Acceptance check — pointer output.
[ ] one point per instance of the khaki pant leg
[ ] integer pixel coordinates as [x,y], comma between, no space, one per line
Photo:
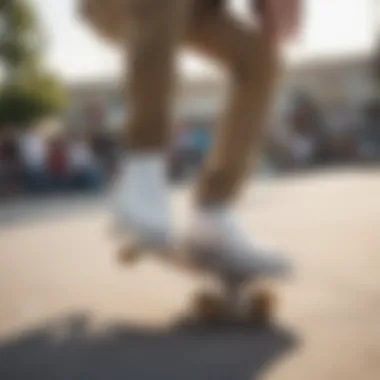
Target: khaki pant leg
[252,62]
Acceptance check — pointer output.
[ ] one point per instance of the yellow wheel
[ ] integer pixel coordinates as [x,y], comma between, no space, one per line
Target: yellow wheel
[209,307]
[193,267]
[128,255]
[262,306]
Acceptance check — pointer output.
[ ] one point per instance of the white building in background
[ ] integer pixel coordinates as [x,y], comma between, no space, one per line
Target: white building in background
[102,103]
[376,7]
[339,82]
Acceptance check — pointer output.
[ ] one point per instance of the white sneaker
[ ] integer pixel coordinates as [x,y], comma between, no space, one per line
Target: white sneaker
[140,200]
[218,242]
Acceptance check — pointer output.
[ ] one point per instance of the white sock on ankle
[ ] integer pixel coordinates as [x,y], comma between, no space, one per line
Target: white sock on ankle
[141,194]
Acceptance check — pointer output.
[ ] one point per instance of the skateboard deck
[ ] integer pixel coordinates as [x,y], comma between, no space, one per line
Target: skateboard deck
[225,297]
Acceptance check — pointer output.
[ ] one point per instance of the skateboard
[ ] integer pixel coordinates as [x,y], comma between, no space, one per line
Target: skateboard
[224,297]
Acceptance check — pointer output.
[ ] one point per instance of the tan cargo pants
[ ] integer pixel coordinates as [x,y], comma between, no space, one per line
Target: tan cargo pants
[152,31]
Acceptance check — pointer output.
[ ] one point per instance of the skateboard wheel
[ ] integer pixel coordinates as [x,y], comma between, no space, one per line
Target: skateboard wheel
[261,306]
[128,255]
[209,307]
[192,267]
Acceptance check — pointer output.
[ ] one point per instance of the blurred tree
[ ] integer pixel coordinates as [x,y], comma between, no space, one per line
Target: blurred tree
[28,91]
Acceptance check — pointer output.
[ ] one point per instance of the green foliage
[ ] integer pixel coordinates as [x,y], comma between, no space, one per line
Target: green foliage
[28,102]
[20,38]
[28,93]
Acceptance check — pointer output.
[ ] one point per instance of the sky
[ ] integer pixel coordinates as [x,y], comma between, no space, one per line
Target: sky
[330,28]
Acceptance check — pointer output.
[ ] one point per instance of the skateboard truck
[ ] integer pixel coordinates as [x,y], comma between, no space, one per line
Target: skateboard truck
[239,300]
[234,298]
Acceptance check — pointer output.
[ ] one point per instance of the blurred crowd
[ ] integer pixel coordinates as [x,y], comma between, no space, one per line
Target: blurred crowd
[31,163]
[304,137]
[310,136]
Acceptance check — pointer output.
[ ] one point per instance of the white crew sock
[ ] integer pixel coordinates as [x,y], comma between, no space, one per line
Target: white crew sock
[141,201]
[216,232]
[216,226]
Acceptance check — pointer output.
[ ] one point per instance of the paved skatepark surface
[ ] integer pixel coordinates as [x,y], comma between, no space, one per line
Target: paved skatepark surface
[68,311]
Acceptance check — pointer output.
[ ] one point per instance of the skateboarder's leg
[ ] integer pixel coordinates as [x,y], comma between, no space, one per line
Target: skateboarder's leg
[253,66]
[141,195]
[154,33]
[252,62]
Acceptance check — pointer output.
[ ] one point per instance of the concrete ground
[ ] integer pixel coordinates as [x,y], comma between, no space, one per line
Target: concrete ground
[68,311]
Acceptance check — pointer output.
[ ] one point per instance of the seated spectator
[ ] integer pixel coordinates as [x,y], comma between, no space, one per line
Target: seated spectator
[106,149]
[58,165]
[33,154]
[10,170]
[303,150]
[84,170]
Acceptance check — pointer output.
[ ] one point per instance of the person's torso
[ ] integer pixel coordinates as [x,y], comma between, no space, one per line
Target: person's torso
[33,151]
[80,156]
[58,161]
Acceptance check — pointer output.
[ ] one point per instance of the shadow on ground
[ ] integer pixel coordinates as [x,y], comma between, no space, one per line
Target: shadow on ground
[41,209]
[67,349]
